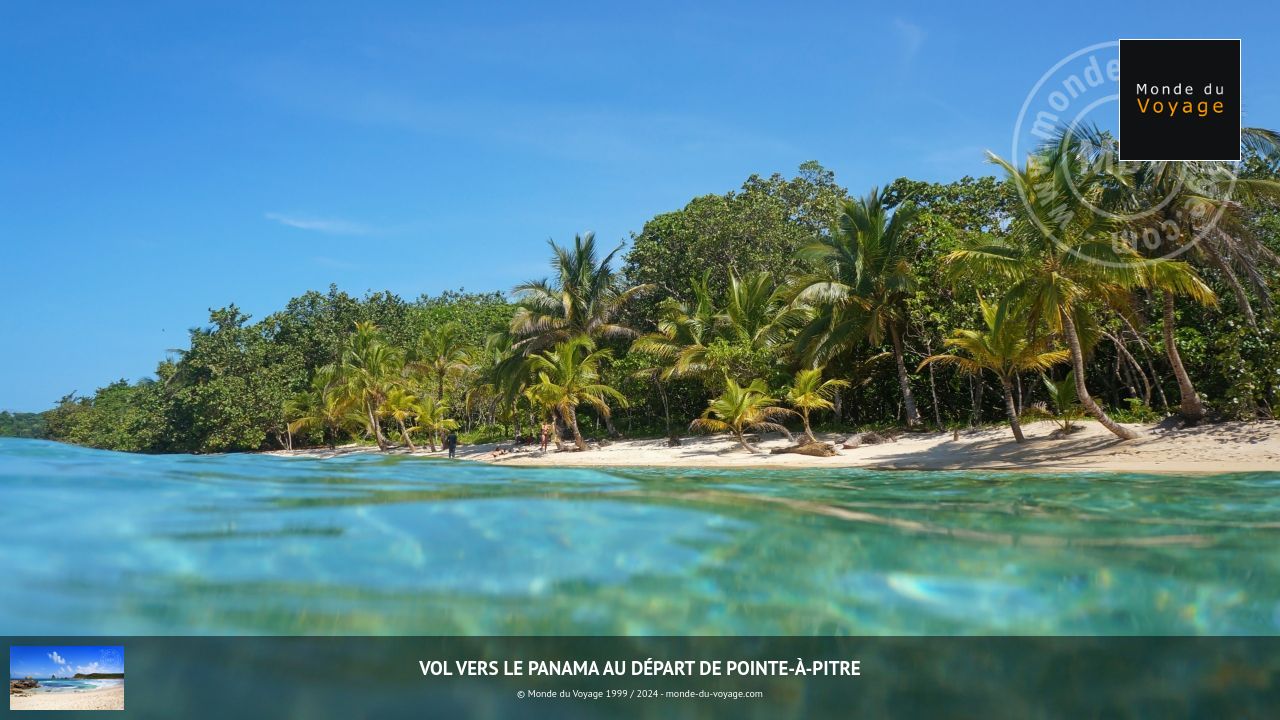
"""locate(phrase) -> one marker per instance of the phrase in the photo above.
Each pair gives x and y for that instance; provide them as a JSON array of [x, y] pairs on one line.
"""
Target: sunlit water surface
[[94, 542], [66, 685]]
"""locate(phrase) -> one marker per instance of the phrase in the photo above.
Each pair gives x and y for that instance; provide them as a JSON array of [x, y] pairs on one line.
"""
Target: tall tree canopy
[[754, 229]]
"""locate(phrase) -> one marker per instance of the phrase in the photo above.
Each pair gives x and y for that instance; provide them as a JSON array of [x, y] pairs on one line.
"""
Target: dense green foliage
[[756, 229], [785, 302], [23, 425], [230, 389]]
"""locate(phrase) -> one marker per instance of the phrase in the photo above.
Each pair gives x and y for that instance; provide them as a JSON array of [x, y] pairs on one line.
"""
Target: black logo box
[[1187, 68]]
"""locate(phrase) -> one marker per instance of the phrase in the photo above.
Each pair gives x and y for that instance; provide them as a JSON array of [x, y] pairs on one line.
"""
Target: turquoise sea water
[[97, 543], [72, 685]]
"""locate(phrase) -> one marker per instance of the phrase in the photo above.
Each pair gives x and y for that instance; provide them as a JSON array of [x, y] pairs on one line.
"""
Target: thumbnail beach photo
[[66, 677]]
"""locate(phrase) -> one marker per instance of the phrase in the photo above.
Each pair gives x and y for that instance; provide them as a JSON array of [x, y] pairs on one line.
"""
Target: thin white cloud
[[572, 130], [910, 35], [58, 659], [325, 225], [93, 667]]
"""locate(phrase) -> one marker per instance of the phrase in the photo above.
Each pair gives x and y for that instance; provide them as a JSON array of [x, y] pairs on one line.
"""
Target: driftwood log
[[867, 438], [816, 449]]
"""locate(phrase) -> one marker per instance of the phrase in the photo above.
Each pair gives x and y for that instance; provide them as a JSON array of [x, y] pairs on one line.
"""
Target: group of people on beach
[[544, 437]]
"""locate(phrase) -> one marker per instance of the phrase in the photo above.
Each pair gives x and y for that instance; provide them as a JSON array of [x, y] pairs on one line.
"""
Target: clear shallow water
[[72, 685], [99, 543]]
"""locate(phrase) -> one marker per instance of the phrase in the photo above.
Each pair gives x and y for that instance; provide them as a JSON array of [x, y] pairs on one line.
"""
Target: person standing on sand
[[451, 442], [546, 435]]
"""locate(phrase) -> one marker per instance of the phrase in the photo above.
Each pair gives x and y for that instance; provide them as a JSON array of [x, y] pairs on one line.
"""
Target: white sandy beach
[[1225, 447], [107, 698]]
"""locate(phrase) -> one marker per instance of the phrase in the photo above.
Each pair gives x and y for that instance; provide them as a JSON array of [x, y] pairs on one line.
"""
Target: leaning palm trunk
[[557, 429], [1012, 410], [908, 400], [764, 427], [808, 433], [571, 417], [609, 427], [1132, 365], [1082, 392], [377, 428], [937, 407], [666, 408], [440, 375], [1192, 409], [405, 434], [742, 440], [1237, 289], [1154, 382]]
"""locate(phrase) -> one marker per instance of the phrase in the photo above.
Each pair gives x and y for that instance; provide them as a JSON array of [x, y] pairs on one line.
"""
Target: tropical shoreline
[[1216, 448], [105, 698]]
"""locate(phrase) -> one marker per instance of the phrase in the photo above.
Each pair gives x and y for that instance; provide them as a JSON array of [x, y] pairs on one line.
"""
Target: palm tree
[[568, 376], [740, 409], [433, 419], [370, 368], [810, 392], [1207, 203], [655, 371], [585, 298], [862, 280], [402, 406], [301, 411], [756, 314], [757, 311], [684, 331], [1006, 347], [1169, 206], [506, 374], [1171, 278], [1062, 393], [1058, 257], [324, 406], [441, 353]]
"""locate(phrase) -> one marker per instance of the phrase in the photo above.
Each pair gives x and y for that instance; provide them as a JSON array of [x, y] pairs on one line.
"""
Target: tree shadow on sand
[[999, 453]]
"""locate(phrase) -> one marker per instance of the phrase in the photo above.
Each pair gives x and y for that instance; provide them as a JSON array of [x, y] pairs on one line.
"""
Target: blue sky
[[160, 159], [65, 660]]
